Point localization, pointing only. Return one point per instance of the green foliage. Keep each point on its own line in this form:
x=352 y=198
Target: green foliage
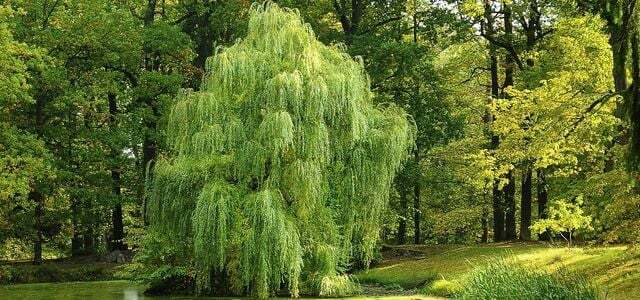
x=442 y=288
x=338 y=286
x=51 y=272
x=505 y=279
x=280 y=119
x=564 y=217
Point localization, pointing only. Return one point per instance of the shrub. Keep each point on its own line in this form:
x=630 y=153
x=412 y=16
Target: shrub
x=442 y=288
x=505 y=279
x=52 y=272
x=338 y=286
x=169 y=280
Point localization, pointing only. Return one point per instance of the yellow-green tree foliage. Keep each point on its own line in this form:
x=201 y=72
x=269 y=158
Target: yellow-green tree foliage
x=280 y=165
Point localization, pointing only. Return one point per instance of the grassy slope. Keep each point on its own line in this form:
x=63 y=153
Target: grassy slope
x=615 y=268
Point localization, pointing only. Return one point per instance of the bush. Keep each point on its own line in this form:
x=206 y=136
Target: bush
x=170 y=280
x=338 y=286
x=442 y=288
x=504 y=279
x=53 y=272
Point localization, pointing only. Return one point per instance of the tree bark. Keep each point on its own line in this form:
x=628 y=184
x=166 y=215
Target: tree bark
x=619 y=47
x=205 y=42
x=510 y=208
x=37 y=197
x=510 y=188
x=117 y=232
x=402 y=221
x=35 y=194
x=542 y=191
x=485 y=227
x=417 y=214
x=497 y=206
x=349 y=19
x=618 y=15
x=634 y=100
x=525 y=206
x=149 y=144
x=498 y=215
x=76 y=240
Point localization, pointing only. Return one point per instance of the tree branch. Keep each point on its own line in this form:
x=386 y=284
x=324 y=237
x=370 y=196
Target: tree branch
x=589 y=109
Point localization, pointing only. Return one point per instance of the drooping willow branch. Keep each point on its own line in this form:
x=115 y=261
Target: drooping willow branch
x=281 y=166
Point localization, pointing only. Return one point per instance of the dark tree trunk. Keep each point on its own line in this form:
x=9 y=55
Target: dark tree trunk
x=510 y=208
x=37 y=197
x=618 y=20
x=542 y=201
x=485 y=227
x=417 y=214
x=35 y=194
x=497 y=205
x=205 y=42
x=117 y=238
x=76 y=240
x=498 y=214
x=525 y=206
x=88 y=236
x=117 y=232
x=349 y=18
x=149 y=144
x=619 y=46
x=402 y=221
x=150 y=12
x=634 y=101
x=510 y=188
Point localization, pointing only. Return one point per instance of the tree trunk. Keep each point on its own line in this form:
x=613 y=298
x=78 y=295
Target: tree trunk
x=510 y=208
x=634 y=101
x=618 y=15
x=510 y=188
x=37 y=197
x=89 y=234
x=117 y=232
x=417 y=214
x=497 y=206
x=402 y=221
x=498 y=214
x=350 y=20
x=485 y=227
x=542 y=201
x=619 y=47
x=76 y=240
x=418 y=172
x=525 y=206
x=149 y=144
x=35 y=194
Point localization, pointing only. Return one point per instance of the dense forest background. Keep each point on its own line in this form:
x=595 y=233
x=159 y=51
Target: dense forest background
x=526 y=110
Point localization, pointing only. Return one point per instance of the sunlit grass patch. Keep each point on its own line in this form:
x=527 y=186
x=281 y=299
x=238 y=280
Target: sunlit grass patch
x=615 y=268
x=504 y=278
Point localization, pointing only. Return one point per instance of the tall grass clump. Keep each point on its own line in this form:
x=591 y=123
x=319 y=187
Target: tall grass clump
x=280 y=166
x=506 y=279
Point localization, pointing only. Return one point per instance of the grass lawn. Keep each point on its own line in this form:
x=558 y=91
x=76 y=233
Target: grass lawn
x=615 y=268
x=122 y=290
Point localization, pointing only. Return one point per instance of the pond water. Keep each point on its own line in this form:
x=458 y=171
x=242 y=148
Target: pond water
x=102 y=290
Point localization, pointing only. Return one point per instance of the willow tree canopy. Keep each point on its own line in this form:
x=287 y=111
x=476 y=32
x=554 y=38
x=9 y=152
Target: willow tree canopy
x=281 y=165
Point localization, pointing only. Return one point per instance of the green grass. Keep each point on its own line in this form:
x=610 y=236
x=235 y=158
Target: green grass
x=615 y=268
x=117 y=290
x=58 y=272
x=503 y=279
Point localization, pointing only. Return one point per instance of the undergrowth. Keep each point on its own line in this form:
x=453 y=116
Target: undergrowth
x=506 y=279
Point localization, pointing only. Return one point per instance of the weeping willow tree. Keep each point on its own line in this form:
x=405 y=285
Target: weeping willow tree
x=281 y=165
